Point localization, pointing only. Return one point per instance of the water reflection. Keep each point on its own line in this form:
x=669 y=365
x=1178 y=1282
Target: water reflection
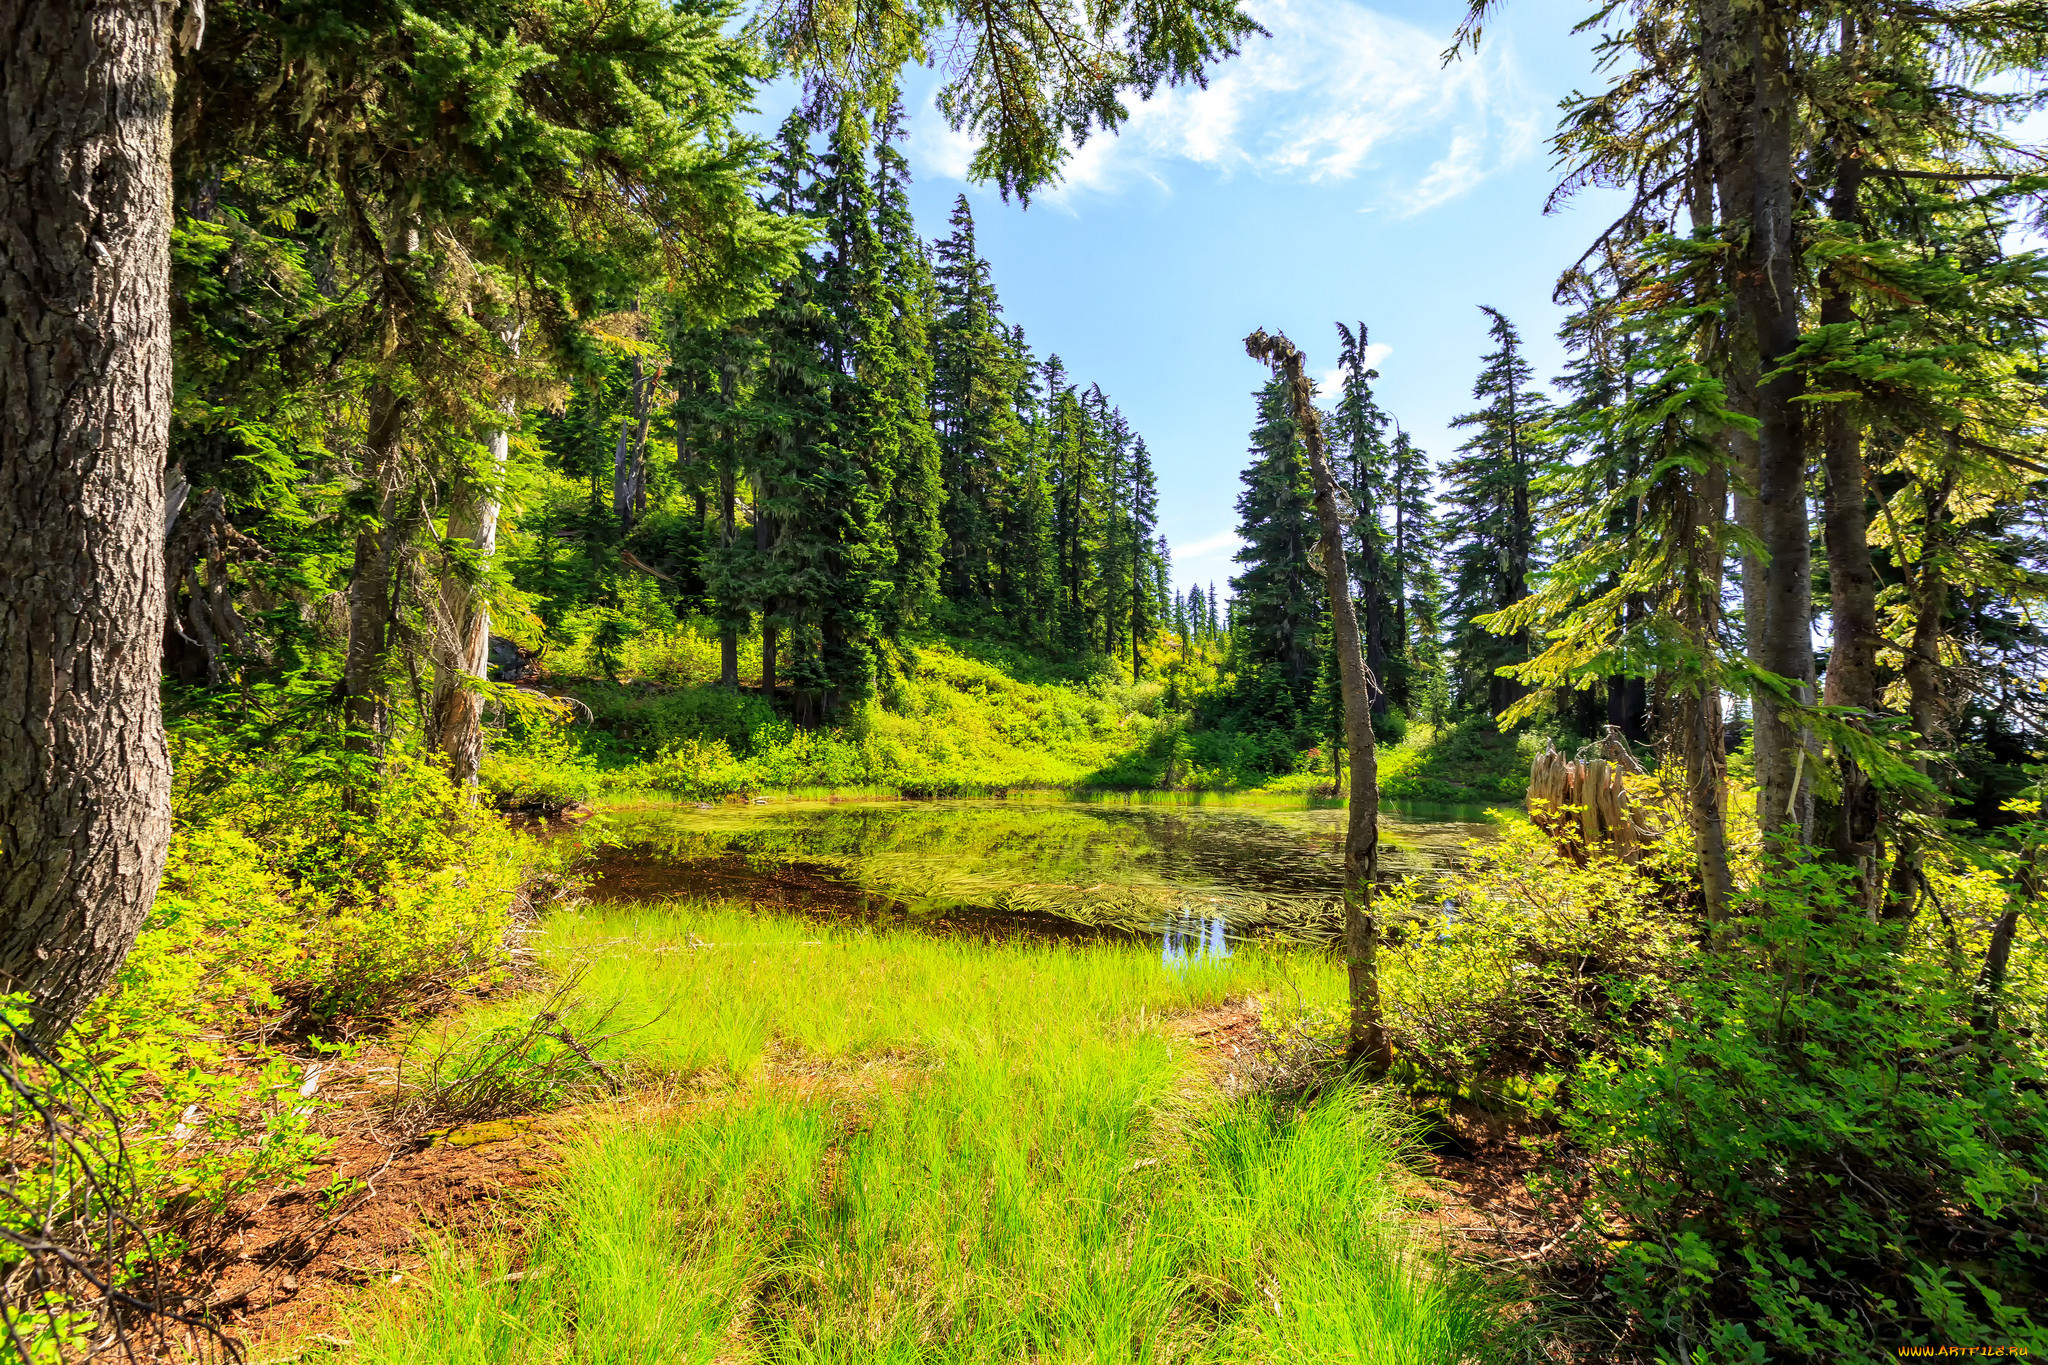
x=1132 y=866
x=1194 y=939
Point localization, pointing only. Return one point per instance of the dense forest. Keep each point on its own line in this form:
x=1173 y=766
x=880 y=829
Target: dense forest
x=439 y=429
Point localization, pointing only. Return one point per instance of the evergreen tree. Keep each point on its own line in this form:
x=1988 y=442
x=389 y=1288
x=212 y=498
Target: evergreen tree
x=973 y=405
x=1410 y=567
x=1278 y=600
x=1492 y=546
x=1148 y=559
x=1358 y=434
x=913 y=484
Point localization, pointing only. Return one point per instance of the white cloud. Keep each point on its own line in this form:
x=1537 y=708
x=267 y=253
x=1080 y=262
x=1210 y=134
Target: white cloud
x=1338 y=91
x=1330 y=382
x=1208 y=547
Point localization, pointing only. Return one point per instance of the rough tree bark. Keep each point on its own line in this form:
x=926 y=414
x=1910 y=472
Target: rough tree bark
x=1850 y=823
x=371 y=606
x=1768 y=298
x=85 y=397
x=372 y=586
x=1367 y=1043
x=764 y=539
x=463 y=659
x=629 y=460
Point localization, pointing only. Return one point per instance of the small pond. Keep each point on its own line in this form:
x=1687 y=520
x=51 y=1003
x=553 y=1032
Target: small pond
x=1191 y=869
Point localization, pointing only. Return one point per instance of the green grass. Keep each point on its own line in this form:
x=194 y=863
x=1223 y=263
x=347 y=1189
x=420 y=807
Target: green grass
x=1012 y=1161
x=1467 y=764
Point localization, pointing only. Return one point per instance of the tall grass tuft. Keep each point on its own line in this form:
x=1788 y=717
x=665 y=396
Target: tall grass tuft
x=900 y=1148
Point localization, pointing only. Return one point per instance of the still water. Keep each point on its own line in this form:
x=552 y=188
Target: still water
x=1194 y=872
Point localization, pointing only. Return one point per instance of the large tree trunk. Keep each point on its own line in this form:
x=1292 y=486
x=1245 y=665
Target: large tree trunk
x=85 y=395
x=728 y=630
x=372 y=604
x=629 y=460
x=465 y=626
x=372 y=585
x=1699 y=702
x=1923 y=682
x=1367 y=1044
x=1768 y=296
x=1850 y=822
x=763 y=542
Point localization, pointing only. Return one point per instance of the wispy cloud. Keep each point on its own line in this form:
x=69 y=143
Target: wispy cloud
x=1330 y=382
x=1209 y=547
x=1339 y=93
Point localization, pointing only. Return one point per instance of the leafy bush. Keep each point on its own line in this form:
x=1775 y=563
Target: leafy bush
x=1523 y=962
x=285 y=910
x=1826 y=1151
x=640 y=722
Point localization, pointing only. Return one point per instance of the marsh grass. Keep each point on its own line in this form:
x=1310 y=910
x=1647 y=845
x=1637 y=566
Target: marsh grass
x=1035 y=1173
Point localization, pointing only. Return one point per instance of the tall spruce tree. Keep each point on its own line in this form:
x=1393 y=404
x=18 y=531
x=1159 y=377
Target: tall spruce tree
x=1278 y=600
x=1358 y=433
x=1493 y=543
x=973 y=404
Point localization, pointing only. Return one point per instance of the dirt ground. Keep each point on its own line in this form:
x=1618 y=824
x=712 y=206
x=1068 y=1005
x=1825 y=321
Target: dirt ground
x=282 y=1263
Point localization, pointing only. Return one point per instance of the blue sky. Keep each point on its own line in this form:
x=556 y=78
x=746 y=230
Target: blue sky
x=1335 y=171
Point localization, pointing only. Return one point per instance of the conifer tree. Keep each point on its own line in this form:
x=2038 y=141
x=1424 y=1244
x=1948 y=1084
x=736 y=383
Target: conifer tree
x=973 y=403
x=1146 y=567
x=1493 y=536
x=911 y=484
x=1278 y=602
x=1410 y=576
x=1358 y=431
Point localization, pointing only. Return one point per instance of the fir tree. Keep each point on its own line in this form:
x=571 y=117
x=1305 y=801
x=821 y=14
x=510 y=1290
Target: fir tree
x=973 y=405
x=913 y=485
x=1277 y=602
x=1492 y=549
x=1358 y=434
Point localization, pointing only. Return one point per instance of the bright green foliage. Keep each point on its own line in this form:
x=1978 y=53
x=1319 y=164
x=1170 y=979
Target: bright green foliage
x=1002 y=1169
x=1818 y=1156
x=408 y=896
x=1537 y=964
x=942 y=721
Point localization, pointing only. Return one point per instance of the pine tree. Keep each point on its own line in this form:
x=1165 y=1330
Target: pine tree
x=1148 y=559
x=973 y=404
x=1493 y=536
x=1411 y=501
x=1358 y=434
x=913 y=487
x=1278 y=602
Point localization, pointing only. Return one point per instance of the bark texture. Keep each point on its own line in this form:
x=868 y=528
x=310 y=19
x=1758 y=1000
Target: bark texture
x=1768 y=295
x=629 y=457
x=1368 y=1045
x=85 y=399
x=1850 y=823
x=465 y=625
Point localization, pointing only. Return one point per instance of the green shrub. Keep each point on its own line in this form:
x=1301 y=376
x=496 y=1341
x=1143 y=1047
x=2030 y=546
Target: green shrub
x=639 y=722
x=1816 y=1155
x=1470 y=763
x=283 y=905
x=1523 y=962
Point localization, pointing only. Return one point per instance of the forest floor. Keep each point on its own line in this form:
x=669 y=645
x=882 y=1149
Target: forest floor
x=867 y=1145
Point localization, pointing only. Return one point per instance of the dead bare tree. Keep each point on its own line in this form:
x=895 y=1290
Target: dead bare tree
x=1366 y=1044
